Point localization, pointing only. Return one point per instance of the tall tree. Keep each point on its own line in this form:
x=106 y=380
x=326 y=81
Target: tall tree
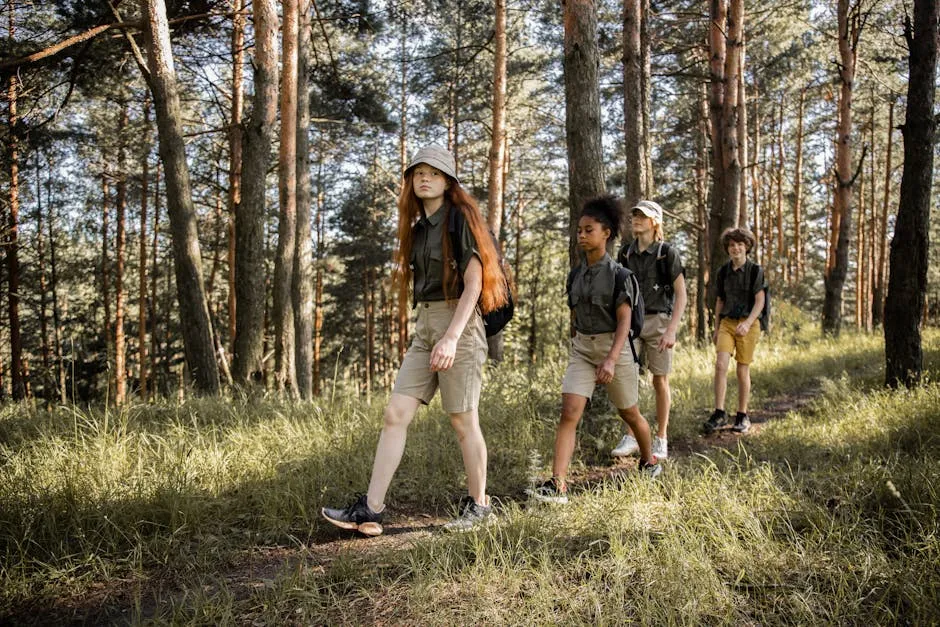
x=881 y=269
x=850 y=26
x=247 y=364
x=17 y=372
x=235 y=152
x=120 y=252
x=636 y=139
x=193 y=309
x=582 y=112
x=284 y=374
x=142 y=303
x=907 y=286
x=302 y=276
x=494 y=205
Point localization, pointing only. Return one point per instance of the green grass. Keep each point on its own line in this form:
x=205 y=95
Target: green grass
x=829 y=515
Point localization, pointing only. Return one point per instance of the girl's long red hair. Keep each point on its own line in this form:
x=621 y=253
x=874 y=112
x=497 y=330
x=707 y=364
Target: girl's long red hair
x=495 y=292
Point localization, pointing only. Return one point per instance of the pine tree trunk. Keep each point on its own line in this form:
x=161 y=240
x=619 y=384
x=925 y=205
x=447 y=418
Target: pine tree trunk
x=54 y=290
x=235 y=154
x=45 y=348
x=302 y=286
x=757 y=175
x=633 y=120
x=494 y=205
x=318 y=282
x=284 y=375
x=120 y=252
x=194 y=313
x=401 y=321
x=742 y=139
x=142 y=304
x=878 y=299
x=17 y=375
x=154 y=276
x=907 y=286
x=702 y=235
x=106 y=332
x=842 y=205
x=798 y=252
x=582 y=113
x=250 y=291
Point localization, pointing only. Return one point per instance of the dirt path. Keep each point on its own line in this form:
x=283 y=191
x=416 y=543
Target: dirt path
x=259 y=567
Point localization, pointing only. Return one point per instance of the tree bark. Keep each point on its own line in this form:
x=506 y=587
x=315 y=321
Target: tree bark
x=142 y=305
x=702 y=235
x=235 y=153
x=494 y=205
x=302 y=286
x=120 y=253
x=635 y=141
x=878 y=299
x=849 y=29
x=907 y=286
x=194 y=313
x=45 y=348
x=582 y=113
x=247 y=366
x=284 y=375
x=798 y=251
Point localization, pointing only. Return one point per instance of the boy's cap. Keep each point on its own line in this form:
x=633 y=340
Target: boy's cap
x=436 y=157
x=650 y=209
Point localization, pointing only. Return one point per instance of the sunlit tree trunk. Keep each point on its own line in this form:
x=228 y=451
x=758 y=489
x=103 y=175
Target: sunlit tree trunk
x=849 y=29
x=702 y=235
x=235 y=153
x=403 y=307
x=302 y=284
x=878 y=298
x=194 y=312
x=17 y=375
x=582 y=112
x=635 y=140
x=494 y=205
x=154 y=276
x=54 y=290
x=250 y=292
x=907 y=285
x=284 y=375
x=45 y=348
x=756 y=176
x=798 y=251
x=742 y=139
x=142 y=305
x=318 y=282
x=120 y=253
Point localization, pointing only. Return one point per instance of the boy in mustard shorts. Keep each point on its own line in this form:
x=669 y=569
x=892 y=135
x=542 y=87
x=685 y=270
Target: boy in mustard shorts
x=741 y=294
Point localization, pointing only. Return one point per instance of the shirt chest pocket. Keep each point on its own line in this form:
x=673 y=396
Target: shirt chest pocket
x=435 y=269
x=601 y=300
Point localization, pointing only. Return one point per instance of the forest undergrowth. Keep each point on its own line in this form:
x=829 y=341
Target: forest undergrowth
x=828 y=513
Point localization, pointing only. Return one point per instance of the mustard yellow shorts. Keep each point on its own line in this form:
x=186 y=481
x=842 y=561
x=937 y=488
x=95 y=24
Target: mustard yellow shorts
x=587 y=352
x=647 y=345
x=730 y=342
x=460 y=384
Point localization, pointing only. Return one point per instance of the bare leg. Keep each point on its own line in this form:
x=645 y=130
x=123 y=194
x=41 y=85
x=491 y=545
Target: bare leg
x=572 y=407
x=398 y=414
x=663 y=403
x=641 y=431
x=721 y=378
x=473 y=448
x=744 y=387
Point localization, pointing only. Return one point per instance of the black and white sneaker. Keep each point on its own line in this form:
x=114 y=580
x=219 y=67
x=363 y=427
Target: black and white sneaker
x=717 y=420
x=550 y=492
x=356 y=516
x=471 y=514
x=741 y=423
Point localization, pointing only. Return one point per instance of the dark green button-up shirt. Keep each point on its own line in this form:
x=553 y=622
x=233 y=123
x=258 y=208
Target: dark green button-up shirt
x=657 y=298
x=736 y=291
x=427 y=254
x=591 y=296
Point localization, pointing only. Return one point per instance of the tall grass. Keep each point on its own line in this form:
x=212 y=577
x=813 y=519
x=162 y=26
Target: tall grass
x=830 y=515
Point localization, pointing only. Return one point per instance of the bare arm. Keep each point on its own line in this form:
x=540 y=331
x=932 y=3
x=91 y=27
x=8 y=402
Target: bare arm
x=668 y=340
x=605 y=370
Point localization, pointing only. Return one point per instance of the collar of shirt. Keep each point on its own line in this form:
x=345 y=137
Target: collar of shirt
x=435 y=218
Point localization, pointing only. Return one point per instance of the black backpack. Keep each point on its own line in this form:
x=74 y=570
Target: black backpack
x=662 y=268
x=493 y=321
x=764 y=317
x=636 y=311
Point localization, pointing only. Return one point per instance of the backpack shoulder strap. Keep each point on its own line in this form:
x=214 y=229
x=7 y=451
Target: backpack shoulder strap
x=455 y=219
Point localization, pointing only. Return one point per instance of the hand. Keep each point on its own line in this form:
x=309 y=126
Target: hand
x=442 y=355
x=668 y=340
x=605 y=371
x=743 y=327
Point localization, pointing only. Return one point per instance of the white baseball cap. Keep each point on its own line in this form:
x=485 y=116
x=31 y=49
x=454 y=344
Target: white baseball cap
x=650 y=209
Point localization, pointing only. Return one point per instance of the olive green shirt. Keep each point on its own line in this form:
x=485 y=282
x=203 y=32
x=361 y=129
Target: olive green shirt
x=591 y=296
x=736 y=291
x=657 y=298
x=427 y=254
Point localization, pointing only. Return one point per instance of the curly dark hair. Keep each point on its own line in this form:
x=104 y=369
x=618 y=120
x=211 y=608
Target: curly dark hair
x=608 y=210
x=737 y=234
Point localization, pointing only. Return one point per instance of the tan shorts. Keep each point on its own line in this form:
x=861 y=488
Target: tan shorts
x=647 y=345
x=730 y=342
x=460 y=384
x=587 y=352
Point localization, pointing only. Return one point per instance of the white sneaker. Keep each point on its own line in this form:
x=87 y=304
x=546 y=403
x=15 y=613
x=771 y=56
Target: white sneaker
x=660 y=447
x=628 y=446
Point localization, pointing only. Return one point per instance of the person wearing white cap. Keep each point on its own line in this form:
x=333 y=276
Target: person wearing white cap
x=445 y=254
x=658 y=268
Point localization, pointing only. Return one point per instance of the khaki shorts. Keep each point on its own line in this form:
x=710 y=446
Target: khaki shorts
x=730 y=342
x=460 y=384
x=647 y=345
x=587 y=352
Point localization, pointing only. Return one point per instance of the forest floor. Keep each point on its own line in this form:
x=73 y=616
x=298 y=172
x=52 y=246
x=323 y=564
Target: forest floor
x=257 y=568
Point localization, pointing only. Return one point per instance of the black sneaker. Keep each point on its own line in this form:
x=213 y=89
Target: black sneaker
x=718 y=419
x=356 y=516
x=741 y=423
x=470 y=514
x=650 y=469
x=549 y=492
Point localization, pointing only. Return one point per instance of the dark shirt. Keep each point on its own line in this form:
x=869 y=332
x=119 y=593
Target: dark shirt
x=592 y=295
x=657 y=298
x=427 y=254
x=735 y=289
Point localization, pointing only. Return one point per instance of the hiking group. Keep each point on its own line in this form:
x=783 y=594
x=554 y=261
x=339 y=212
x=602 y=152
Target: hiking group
x=624 y=313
